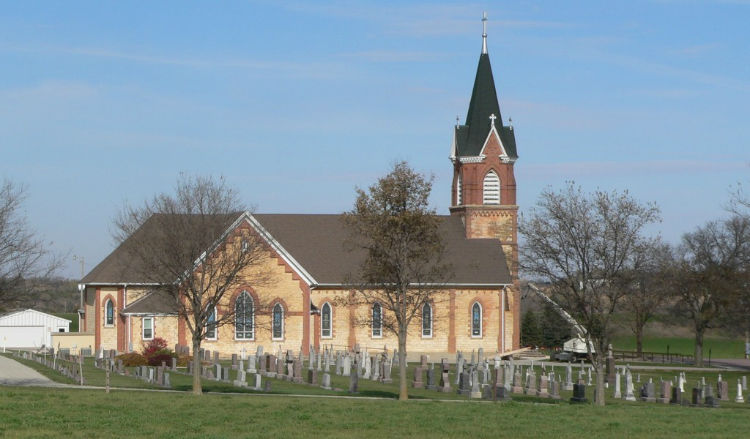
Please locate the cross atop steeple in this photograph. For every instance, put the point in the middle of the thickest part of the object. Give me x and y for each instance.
(484, 32)
(492, 119)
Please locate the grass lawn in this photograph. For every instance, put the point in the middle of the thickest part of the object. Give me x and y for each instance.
(52, 413)
(720, 347)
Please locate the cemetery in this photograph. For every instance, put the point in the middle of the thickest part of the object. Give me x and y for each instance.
(467, 376)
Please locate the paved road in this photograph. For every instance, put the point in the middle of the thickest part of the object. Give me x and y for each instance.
(13, 373)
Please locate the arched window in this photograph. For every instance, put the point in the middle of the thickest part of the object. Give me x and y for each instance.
(427, 320)
(377, 320)
(243, 317)
(325, 321)
(491, 189)
(459, 183)
(476, 320)
(109, 313)
(211, 325)
(278, 322)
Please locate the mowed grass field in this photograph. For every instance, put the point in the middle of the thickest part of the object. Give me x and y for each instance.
(53, 413)
(720, 347)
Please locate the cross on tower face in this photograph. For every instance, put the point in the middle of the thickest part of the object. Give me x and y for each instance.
(492, 119)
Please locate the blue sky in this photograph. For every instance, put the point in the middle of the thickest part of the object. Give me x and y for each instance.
(296, 103)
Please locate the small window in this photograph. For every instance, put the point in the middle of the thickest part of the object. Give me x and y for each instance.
(148, 328)
(325, 321)
(458, 190)
(278, 322)
(245, 245)
(427, 320)
(211, 325)
(60, 329)
(109, 313)
(476, 320)
(377, 320)
(491, 188)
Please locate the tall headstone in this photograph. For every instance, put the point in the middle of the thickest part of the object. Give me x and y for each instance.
(445, 385)
(665, 393)
(476, 392)
(431, 379)
(347, 366)
(543, 391)
(739, 397)
(579, 394)
(618, 393)
(629, 387)
(568, 377)
(418, 383)
(517, 384)
(722, 390)
(354, 381)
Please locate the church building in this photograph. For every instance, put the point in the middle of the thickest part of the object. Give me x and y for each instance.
(308, 264)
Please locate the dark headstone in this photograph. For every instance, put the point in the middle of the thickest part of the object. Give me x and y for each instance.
(579, 394)
(676, 396)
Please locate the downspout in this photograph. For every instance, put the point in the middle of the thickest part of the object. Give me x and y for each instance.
(82, 308)
(124, 304)
(502, 318)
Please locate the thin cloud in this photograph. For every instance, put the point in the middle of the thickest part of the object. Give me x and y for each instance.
(612, 169)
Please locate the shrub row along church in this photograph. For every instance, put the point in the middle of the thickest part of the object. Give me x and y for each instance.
(307, 264)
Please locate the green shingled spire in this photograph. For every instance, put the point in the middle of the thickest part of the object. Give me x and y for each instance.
(471, 136)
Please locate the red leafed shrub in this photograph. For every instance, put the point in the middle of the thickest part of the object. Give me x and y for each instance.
(156, 351)
(132, 359)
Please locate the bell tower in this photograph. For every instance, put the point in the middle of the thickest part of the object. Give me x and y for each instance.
(483, 153)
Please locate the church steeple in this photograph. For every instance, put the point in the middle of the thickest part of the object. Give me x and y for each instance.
(470, 138)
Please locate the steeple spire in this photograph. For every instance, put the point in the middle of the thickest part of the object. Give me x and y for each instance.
(484, 33)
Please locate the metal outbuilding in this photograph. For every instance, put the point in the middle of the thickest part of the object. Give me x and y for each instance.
(30, 329)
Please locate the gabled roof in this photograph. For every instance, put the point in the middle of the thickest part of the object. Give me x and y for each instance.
(470, 137)
(153, 302)
(32, 311)
(317, 243)
(120, 268)
(314, 245)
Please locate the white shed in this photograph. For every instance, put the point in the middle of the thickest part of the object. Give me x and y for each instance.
(30, 329)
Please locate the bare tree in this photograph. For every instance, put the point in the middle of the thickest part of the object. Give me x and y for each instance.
(403, 267)
(186, 245)
(586, 246)
(648, 288)
(22, 254)
(711, 274)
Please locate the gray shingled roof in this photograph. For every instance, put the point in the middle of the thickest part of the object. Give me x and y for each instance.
(153, 302)
(470, 137)
(316, 242)
(118, 267)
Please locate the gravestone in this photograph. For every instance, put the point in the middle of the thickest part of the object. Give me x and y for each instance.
(555, 389)
(235, 364)
(387, 371)
(665, 392)
(417, 383)
(297, 371)
(676, 396)
(464, 384)
(217, 373)
(346, 368)
(648, 393)
(241, 380)
(174, 364)
(267, 386)
(739, 397)
(459, 368)
(722, 390)
(617, 394)
(326, 381)
(543, 389)
(271, 366)
(517, 387)
(710, 400)
(216, 357)
(423, 361)
(160, 376)
(579, 394)
(312, 376)
(431, 379)
(475, 391)
(167, 382)
(225, 374)
(531, 382)
(744, 383)
(368, 370)
(354, 382)
(445, 385)
(280, 367)
(697, 400)
(610, 365)
(568, 377)
(629, 387)
(258, 381)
